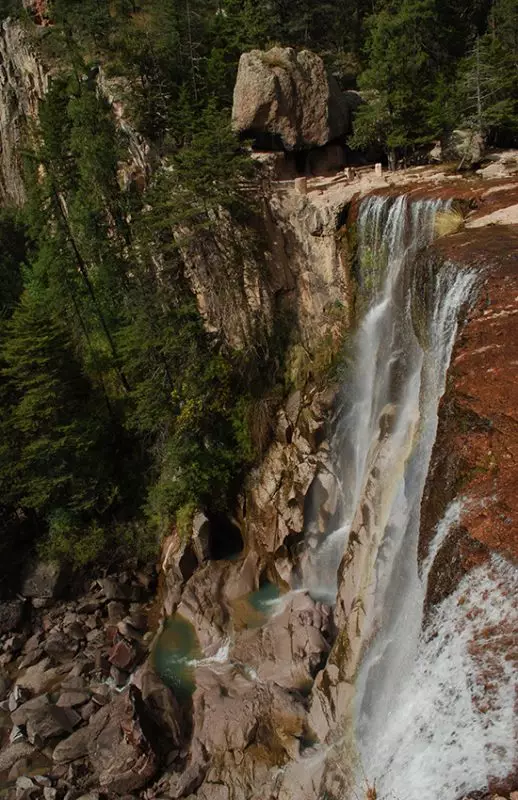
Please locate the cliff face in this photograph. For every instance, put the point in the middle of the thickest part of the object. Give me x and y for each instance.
(286, 272)
(23, 82)
(288, 261)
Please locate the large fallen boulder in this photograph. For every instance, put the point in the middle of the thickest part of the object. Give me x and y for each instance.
(286, 100)
(291, 646)
(120, 753)
(242, 730)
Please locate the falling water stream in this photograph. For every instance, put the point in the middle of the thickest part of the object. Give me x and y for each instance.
(417, 729)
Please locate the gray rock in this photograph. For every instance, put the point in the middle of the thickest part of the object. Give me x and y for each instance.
(119, 676)
(138, 619)
(32, 643)
(21, 767)
(73, 698)
(284, 97)
(161, 703)
(43, 580)
(60, 647)
(73, 747)
(15, 643)
(18, 696)
(40, 602)
(16, 735)
(74, 682)
(22, 714)
(101, 694)
(23, 782)
(464, 145)
(88, 606)
(76, 631)
(13, 753)
(40, 677)
(5, 685)
(115, 591)
(119, 750)
(88, 710)
(69, 618)
(31, 658)
(95, 638)
(201, 536)
(293, 406)
(116, 611)
(127, 630)
(10, 616)
(51, 722)
(42, 780)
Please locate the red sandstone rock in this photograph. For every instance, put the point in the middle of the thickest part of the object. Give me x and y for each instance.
(122, 655)
(476, 452)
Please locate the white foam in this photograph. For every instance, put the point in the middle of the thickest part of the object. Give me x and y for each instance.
(221, 656)
(453, 726)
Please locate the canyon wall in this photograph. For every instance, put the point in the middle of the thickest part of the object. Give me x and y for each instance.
(23, 82)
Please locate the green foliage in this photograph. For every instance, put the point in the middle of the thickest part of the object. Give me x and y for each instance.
(69, 540)
(401, 47)
(13, 251)
(207, 171)
(487, 88)
(425, 76)
(184, 520)
(56, 427)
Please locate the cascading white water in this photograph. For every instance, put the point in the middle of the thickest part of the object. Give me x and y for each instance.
(417, 735)
(451, 727)
(381, 395)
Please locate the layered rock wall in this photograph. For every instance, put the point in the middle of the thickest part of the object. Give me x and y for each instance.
(23, 82)
(286, 272)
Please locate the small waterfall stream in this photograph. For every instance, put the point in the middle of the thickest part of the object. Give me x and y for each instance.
(416, 730)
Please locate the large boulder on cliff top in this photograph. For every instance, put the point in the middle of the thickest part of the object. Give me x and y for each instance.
(286, 99)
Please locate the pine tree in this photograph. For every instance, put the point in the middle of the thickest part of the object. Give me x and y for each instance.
(61, 434)
(403, 53)
(487, 90)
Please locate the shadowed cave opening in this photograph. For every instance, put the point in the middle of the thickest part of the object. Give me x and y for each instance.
(225, 540)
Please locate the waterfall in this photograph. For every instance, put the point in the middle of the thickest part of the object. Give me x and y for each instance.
(417, 730)
(383, 395)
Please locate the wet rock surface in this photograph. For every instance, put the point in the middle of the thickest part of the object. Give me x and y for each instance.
(476, 452)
